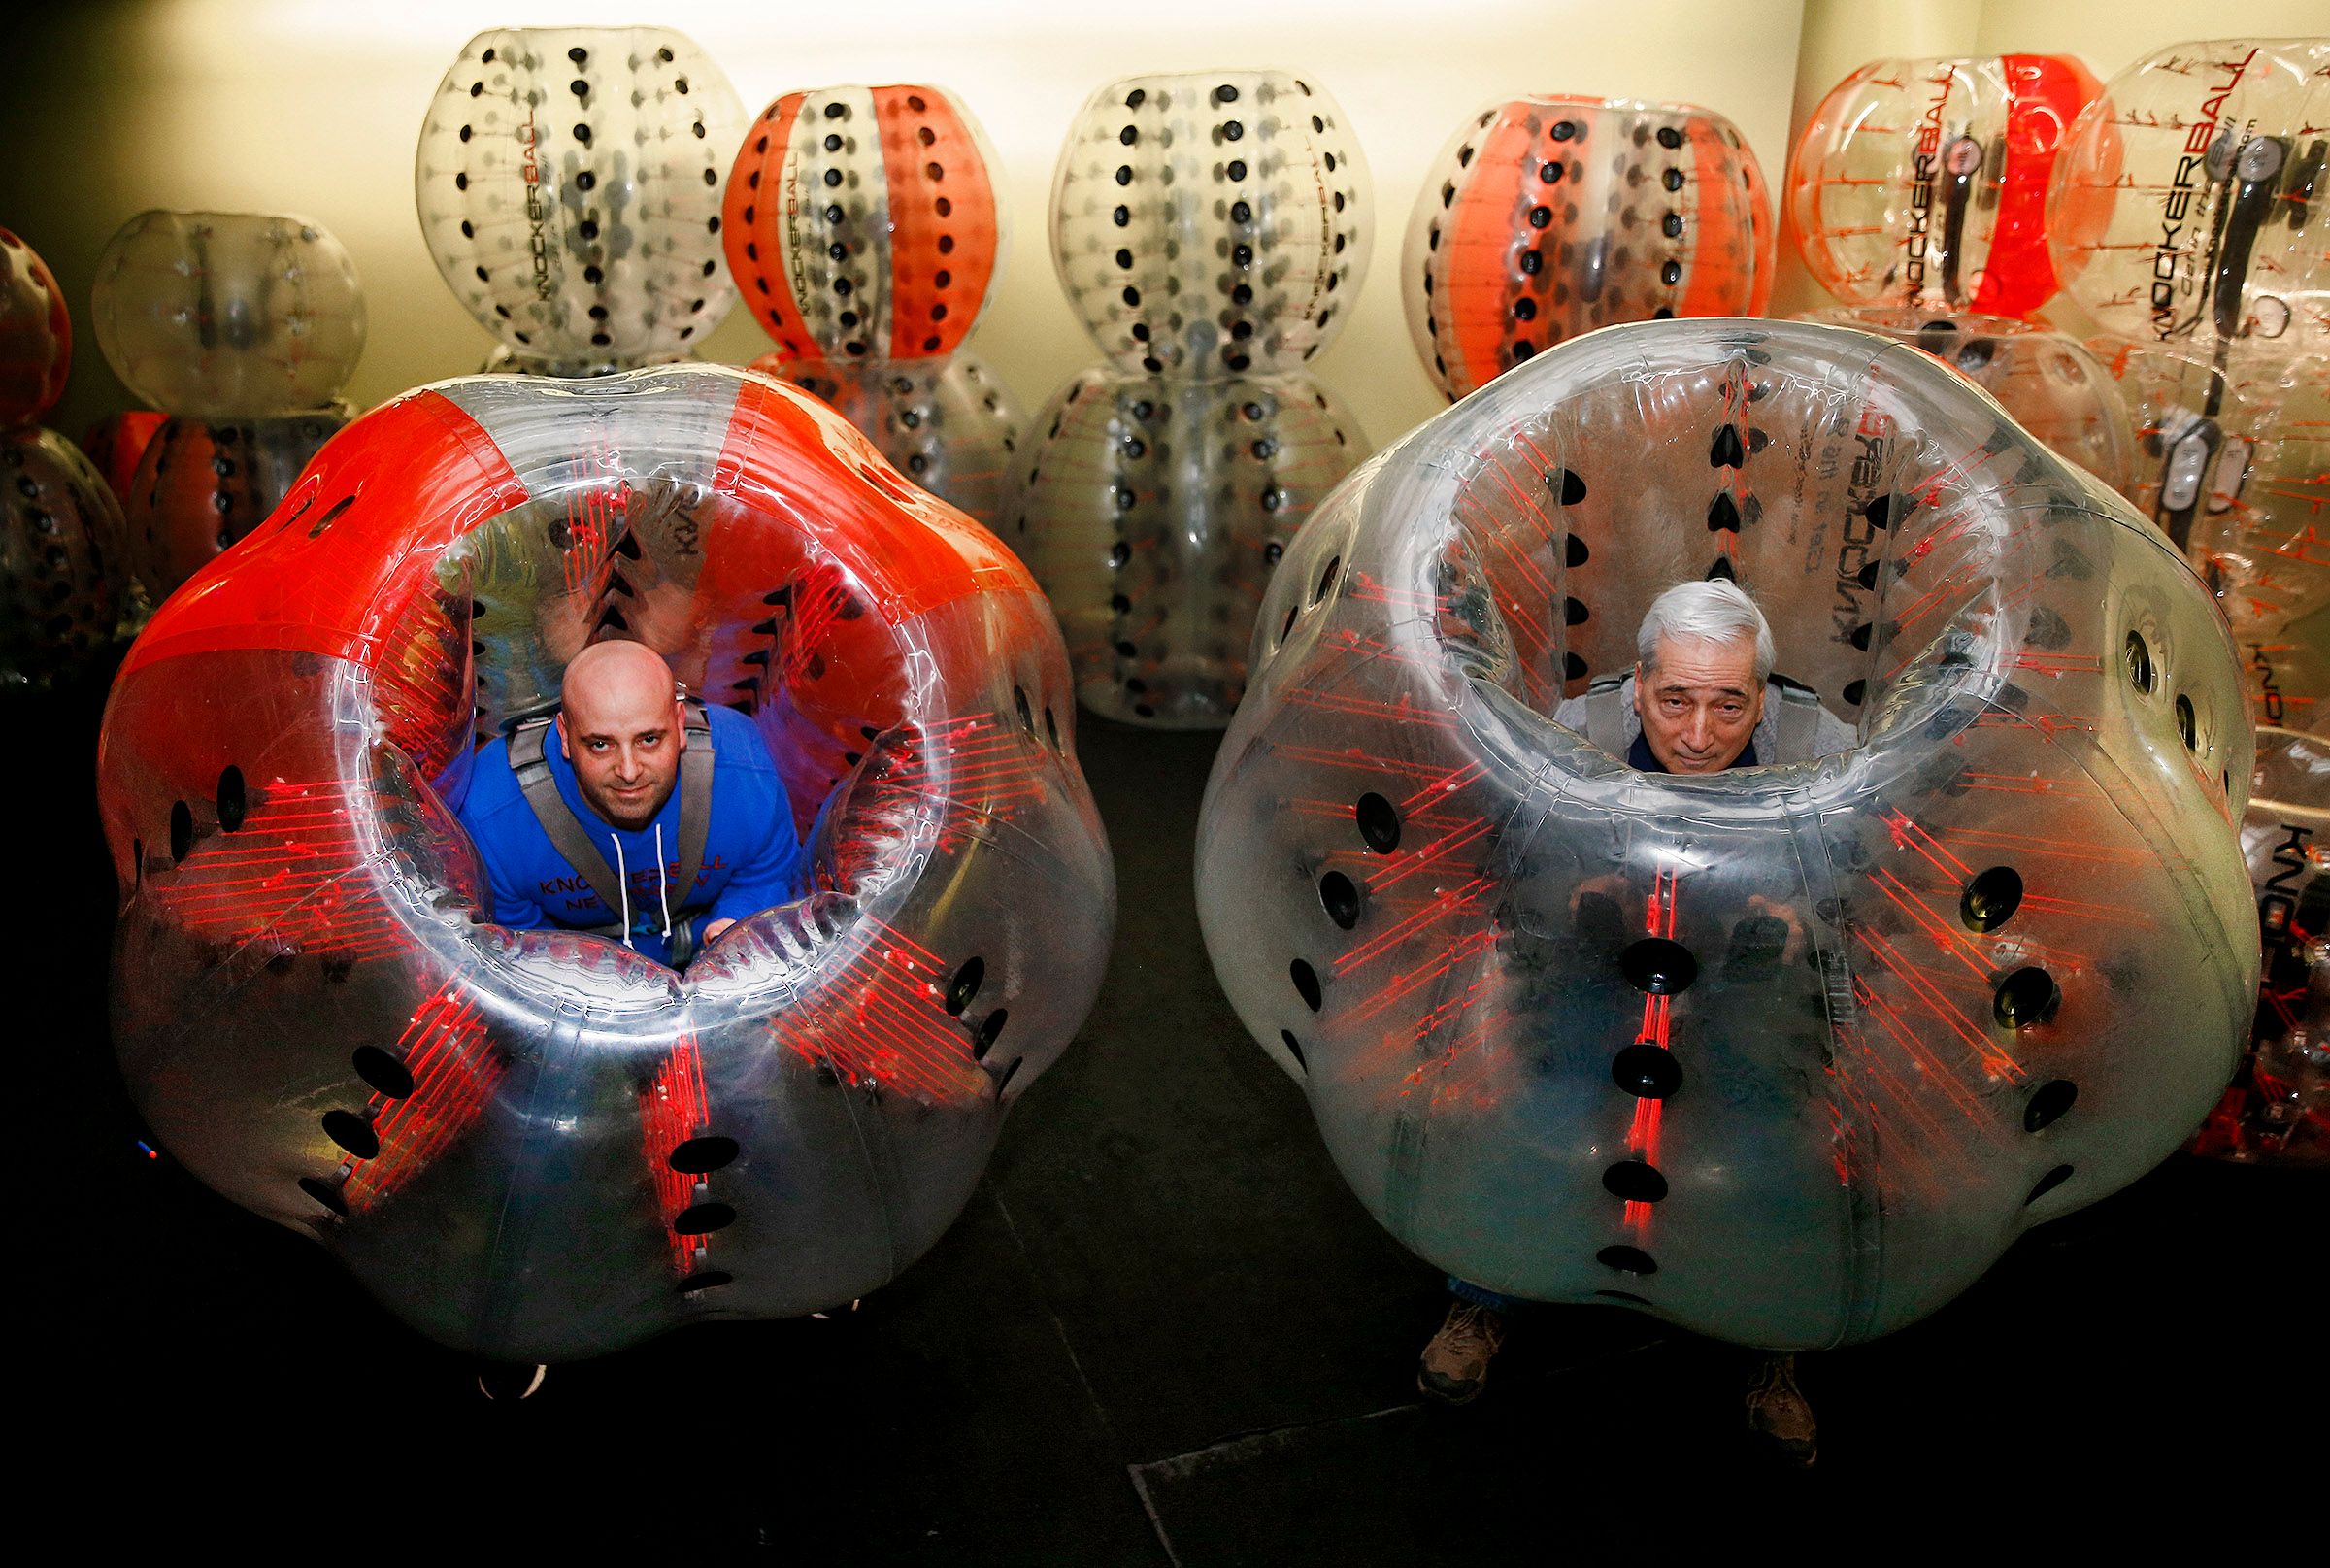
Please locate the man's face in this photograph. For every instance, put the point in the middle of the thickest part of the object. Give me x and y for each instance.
(623, 736)
(1700, 702)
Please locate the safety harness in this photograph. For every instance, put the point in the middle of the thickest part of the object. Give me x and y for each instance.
(1789, 724)
(574, 842)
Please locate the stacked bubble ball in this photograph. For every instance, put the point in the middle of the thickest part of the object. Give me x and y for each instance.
(1788, 1054)
(243, 327)
(1924, 182)
(2190, 217)
(862, 227)
(569, 189)
(1210, 229)
(2049, 382)
(63, 557)
(539, 1145)
(1547, 216)
(2277, 1108)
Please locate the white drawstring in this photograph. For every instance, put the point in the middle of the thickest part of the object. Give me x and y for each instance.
(663, 883)
(622, 887)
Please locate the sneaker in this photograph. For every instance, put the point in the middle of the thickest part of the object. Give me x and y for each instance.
(1779, 1412)
(510, 1381)
(1455, 1364)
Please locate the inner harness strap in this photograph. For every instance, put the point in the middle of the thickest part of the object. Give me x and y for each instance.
(1606, 717)
(1795, 725)
(575, 844)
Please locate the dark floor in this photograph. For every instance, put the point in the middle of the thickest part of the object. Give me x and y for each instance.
(1164, 1332)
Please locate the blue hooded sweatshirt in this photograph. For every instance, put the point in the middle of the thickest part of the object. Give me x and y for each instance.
(751, 860)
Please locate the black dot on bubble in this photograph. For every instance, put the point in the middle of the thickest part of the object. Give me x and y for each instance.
(1665, 313)
(2048, 1183)
(2048, 1103)
(1724, 450)
(963, 988)
(990, 1030)
(1626, 1259)
(1379, 822)
(704, 1218)
(352, 1133)
(1855, 691)
(1568, 487)
(2138, 659)
(1232, 130)
(385, 1074)
(2187, 729)
(1236, 171)
(705, 1279)
(2029, 995)
(1339, 896)
(1647, 1071)
(232, 800)
(700, 1155)
(1564, 131)
(1990, 898)
(1658, 965)
(1669, 137)
(1635, 1180)
(1671, 225)
(1306, 983)
(1294, 1048)
(1124, 174)
(182, 830)
(325, 1192)
(1540, 216)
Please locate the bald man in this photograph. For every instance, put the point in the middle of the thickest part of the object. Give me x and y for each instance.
(654, 821)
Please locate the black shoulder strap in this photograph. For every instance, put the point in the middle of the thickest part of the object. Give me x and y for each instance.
(1796, 726)
(567, 835)
(1605, 716)
(695, 796)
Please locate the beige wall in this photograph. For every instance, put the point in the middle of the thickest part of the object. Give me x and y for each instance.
(314, 106)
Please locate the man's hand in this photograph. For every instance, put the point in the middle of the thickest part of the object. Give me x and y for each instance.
(711, 932)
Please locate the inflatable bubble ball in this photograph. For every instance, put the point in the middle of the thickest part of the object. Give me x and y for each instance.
(1156, 512)
(115, 443)
(2277, 1108)
(36, 335)
(569, 187)
(1924, 182)
(1211, 223)
(1547, 216)
(861, 222)
(201, 484)
(950, 425)
(2288, 671)
(2233, 463)
(2187, 209)
(2052, 385)
(63, 573)
(1788, 1054)
(228, 315)
(538, 1145)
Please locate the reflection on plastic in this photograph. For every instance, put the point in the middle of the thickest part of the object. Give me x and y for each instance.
(1924, 182)
(1545, 217)
(537, 1144)
(2277, 1108)
(1864, 1019)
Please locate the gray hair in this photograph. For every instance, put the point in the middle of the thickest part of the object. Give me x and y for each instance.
(1717, 611)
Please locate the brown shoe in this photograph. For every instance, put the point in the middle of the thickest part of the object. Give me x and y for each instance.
(1779, 1412)
(1455, 1364)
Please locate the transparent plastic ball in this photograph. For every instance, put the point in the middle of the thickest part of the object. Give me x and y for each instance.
(1787, 1055)
(2288, 669)
(1923, 182)
(2233, 462)
(2052, 385)
(63, 575)
(1154, 512)
(861, 222)
(36, 334)
(1547, 216)
(2186, 210)
(1211, 223)
(950, 425)
(569, 189)
(2277, 1108)
(201, 484)
(539, 1145)
(115, 443)
(228, 315)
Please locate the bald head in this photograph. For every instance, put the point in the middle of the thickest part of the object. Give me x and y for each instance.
(620, 725)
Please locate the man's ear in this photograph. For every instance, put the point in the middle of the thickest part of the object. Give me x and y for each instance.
(565, 748)
(679, 724)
